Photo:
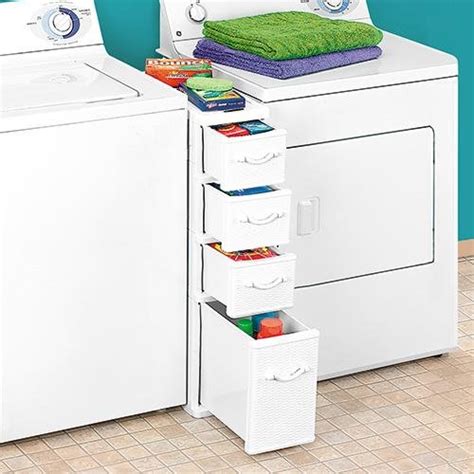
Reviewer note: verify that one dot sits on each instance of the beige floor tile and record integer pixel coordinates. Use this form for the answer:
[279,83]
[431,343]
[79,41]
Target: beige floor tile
[223,447]
[301,459]
[436,443]
[212,436]
[172,458]
[365,459]
[58,467]
[159,447]
[82,464]
[188,467]
[122,441]
[389,454]
[252,468]
[147,436]
[32,446]
[276,465]
[122,468]
[172,431]
[109,429]
[9,451]
[108,458]
[58,440]
[412,448]
[429,459]
[94,447]
[214,463]
[70,452]
[83,435]
[134,452]
[17,463]
[199,452]
[350,448]
[374,442]
[238,458]
[326,453]
[405,465]
[341,465]
[147,464]
[44,457]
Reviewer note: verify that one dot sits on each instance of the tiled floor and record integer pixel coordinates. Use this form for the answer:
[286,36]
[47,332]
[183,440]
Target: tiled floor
[414,417]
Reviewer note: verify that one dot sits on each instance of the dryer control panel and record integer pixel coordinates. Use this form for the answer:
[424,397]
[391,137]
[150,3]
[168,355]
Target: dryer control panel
[35,25]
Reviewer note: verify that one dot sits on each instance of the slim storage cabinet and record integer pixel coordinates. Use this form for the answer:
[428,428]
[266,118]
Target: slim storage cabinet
[262,389]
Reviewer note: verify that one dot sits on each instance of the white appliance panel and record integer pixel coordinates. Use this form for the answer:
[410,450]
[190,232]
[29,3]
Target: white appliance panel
[35,25]
[59,84]
[93,272]
[362,206]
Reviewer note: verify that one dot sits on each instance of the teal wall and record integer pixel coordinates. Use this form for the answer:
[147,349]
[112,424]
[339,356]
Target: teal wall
[131,33]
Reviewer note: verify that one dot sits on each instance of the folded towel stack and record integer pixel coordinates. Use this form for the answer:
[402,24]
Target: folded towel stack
[288,44]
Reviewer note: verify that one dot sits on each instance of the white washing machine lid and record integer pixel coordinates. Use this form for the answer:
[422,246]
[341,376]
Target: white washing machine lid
[403,61]
[36,92]
[37,86]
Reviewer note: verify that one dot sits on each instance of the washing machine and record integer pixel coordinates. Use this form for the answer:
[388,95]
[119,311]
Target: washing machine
[372,164]
[92,227]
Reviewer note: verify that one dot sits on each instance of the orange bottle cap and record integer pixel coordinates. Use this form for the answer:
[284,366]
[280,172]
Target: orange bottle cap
[270,327]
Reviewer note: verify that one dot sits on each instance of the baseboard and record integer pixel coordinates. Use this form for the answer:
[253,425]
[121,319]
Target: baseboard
[466,248]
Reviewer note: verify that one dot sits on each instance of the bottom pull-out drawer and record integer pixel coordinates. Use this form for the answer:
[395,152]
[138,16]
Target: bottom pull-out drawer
[264,390]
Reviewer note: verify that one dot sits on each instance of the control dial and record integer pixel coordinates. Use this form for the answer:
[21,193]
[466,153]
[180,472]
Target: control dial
[61,23]
[196,12]
[333,4]
[333,8]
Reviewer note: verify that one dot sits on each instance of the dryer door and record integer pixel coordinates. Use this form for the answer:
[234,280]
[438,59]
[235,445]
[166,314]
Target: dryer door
[362,206]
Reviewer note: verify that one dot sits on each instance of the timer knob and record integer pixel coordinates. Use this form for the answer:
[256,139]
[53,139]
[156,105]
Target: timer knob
[333,4]
[197,13]
[62,23]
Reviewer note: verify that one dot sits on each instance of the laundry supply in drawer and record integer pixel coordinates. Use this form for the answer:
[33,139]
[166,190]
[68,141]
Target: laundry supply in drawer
[262,326]
[247,161]
[246,326]
[254,127]
[246,192]
[247,219]
[270,327]
[232,130]
[245,255]
[262,389]
[249,283]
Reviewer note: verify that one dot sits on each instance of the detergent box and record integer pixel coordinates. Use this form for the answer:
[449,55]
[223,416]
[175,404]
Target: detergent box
[175,72]
[211,101]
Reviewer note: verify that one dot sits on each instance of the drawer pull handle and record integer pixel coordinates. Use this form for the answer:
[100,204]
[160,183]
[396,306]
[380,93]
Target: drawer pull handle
[268,286]
[291,376]
[265,221]
[259,161]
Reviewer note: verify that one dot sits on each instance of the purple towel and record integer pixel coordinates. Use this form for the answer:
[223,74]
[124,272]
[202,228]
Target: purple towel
[286,69]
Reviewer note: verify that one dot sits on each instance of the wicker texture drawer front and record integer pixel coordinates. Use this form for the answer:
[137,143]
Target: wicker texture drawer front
[249,287]
[245,162]
[264,390]
[245,222]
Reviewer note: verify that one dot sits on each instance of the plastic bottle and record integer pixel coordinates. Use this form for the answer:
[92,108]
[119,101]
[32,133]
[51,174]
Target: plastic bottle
[270,327]
[257,319]
[246,326]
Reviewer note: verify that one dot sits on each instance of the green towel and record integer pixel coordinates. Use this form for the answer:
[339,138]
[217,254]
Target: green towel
[291,35]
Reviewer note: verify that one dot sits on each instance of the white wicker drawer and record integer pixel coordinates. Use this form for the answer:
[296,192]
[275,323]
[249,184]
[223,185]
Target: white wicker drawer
[245,162]
[246,222]
[263,390]
[249,287]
